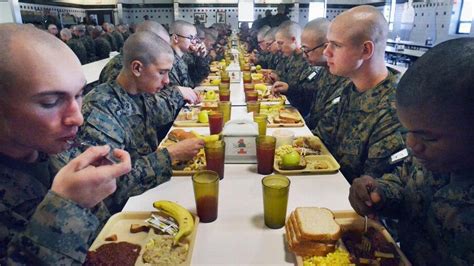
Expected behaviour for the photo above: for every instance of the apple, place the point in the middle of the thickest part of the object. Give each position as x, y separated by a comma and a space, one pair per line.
291, 159
203, 116
215, 82
210, 95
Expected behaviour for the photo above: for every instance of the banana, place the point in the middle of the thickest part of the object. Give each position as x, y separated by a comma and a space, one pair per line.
207, 139
180, 214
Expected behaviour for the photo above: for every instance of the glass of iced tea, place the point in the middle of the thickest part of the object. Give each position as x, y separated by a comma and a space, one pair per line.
215, 156
275, 200
216, 122
265, 154
224, 95
224, 86
206, 194
251, 96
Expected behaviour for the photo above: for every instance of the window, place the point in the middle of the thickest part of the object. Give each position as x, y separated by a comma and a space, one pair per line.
246, 10
465, 17
317, 10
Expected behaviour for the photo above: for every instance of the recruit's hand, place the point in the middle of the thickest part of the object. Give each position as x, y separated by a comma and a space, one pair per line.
253, 57
199, 49
274, 77
189, 95
87, 182
186, 149
363, 195
279, 87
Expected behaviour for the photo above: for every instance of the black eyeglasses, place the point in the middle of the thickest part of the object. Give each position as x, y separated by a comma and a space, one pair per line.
190, 37
269, 43
306, 52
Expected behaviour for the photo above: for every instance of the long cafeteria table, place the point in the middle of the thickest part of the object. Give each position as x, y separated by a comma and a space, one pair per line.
239, 235
92, 70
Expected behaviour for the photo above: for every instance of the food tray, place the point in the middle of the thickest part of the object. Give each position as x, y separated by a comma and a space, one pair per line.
182, 121
293, 110
349, 220
325, 156
165, 142
119, 224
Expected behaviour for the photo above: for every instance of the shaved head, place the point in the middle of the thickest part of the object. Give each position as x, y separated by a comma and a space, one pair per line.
155, 27
18, 58
290, 29
145, 47
270, 35
364, 23
181, 27
261, 33
317, 29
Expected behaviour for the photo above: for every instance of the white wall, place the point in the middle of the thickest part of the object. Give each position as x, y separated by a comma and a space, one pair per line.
5, 12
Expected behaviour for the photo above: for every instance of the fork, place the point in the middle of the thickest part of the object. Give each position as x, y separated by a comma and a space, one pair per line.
85, 145
365, 241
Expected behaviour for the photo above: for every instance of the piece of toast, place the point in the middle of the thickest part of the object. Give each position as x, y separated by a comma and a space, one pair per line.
317, 224
297, 233
307, 248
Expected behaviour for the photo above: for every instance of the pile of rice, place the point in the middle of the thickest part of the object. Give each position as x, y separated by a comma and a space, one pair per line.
160, 251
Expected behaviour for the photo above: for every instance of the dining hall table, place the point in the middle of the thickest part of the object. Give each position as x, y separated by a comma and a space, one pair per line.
239, 235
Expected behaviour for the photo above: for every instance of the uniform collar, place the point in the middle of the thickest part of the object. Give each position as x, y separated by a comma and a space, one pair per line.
129, 107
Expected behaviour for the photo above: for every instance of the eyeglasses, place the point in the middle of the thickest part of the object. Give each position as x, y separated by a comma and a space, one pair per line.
190, 37
306, 51
269, 43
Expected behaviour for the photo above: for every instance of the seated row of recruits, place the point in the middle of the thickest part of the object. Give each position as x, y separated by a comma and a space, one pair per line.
55, 220
350, 99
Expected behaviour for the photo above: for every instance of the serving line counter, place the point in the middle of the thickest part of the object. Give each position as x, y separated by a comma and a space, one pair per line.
239, 235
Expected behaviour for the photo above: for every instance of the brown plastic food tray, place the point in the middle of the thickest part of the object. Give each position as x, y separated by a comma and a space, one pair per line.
178, 172
325, 156
349, 220
119, 224
189, 123
299, 124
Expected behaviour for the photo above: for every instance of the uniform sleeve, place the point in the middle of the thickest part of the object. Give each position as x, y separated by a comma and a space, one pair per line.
101, 127
59, 233
168, 102
174, 76
326, 127
390, 187
199, 68
385, 141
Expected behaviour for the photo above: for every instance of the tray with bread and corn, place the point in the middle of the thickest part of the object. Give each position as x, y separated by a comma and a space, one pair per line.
319, 236
306, 155
163, 237
280, 115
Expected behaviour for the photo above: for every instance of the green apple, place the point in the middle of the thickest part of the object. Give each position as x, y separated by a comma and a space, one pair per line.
203, 116
210, 95
291, 159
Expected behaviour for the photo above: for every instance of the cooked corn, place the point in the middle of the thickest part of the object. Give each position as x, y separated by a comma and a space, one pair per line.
337, 258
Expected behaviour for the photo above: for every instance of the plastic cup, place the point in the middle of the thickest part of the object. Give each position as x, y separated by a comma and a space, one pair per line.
216, 122
224, 86
247, 77
253, 106
275, 200
261, 121
283, 137
265, 154
215, 156
206, 194
224, 108
224, 95
251, 96
249, 87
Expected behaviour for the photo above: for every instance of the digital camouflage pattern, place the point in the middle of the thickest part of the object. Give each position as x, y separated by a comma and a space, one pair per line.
291, 70
198, 67
363, 131
179, 75
102, 48
78, 48
113, 117
90, 47
322, 90
435, 212
274, 60
112, 69
110, 38
263, 59
38, 227
118, 37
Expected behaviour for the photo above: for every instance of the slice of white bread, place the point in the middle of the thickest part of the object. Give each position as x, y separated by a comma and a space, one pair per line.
306, 248
317, 224
297, 233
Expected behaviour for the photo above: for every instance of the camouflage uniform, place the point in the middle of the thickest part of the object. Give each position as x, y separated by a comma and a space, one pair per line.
274, 60
198, 67
291, 70
110, 38
90, 47
262, 59
102, 48
363, 131
37, 226
130, 122
319, 91
435, 213
179, 74
118, 39
78, 48
111, 69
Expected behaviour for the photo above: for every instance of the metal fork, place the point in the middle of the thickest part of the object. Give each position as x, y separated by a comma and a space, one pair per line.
85, 145
365, 241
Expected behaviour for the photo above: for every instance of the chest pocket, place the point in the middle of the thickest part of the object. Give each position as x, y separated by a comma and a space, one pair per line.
350, 146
